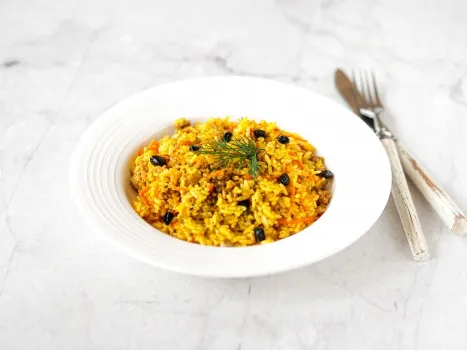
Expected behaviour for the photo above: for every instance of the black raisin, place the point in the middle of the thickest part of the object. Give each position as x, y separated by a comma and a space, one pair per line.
259, 234
227, 136
259, 133
327, 174
283, 139
284, 179
157, 161
194, 148
168, 217
244, 203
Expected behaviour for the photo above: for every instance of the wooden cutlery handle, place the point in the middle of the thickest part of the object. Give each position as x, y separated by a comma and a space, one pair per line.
444, 205
405, 205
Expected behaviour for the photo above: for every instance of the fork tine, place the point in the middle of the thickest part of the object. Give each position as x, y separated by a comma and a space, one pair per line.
363, 87
355, 80
375, 88
368, 87
362, 83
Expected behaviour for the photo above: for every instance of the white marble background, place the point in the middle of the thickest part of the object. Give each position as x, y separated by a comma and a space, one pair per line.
62, 63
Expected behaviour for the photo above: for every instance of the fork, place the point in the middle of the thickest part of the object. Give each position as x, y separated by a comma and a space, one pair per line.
372, 107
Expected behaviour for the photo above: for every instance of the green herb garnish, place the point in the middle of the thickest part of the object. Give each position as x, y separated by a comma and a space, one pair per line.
235, 152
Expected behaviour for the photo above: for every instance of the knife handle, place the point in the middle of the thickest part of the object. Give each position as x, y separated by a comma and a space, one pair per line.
443, 204
405, 205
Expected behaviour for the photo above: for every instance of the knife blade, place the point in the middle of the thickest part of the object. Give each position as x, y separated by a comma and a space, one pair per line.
347, 90
351, 95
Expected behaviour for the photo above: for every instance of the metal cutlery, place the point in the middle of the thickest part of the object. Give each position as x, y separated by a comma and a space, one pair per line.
438, 198
370, 106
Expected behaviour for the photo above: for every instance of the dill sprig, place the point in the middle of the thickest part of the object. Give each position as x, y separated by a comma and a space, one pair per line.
235, 152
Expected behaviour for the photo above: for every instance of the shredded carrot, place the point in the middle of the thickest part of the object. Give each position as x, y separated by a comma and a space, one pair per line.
296, 161
185, 143
153, 146
217, 173
144, 190
292, 205
300, 164
310, 219
248, 177
211, 187
142, 194
292, 191
271, 177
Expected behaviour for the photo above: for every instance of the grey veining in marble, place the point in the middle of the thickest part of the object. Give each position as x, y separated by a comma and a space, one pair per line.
62, 63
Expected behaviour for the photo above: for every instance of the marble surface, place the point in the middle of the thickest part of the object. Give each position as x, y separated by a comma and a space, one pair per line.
62, 63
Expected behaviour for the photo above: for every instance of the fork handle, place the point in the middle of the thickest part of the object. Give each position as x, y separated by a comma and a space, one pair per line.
405, 205
444, 205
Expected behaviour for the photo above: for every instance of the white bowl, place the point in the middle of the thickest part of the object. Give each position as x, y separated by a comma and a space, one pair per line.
99, 173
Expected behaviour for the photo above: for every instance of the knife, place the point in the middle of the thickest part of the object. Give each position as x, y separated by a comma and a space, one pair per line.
438, 198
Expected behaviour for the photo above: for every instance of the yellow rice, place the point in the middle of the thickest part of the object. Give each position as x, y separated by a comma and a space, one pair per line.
205, 200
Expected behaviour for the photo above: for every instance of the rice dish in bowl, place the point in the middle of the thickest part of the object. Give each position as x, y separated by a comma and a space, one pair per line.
102, 164
226, 183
